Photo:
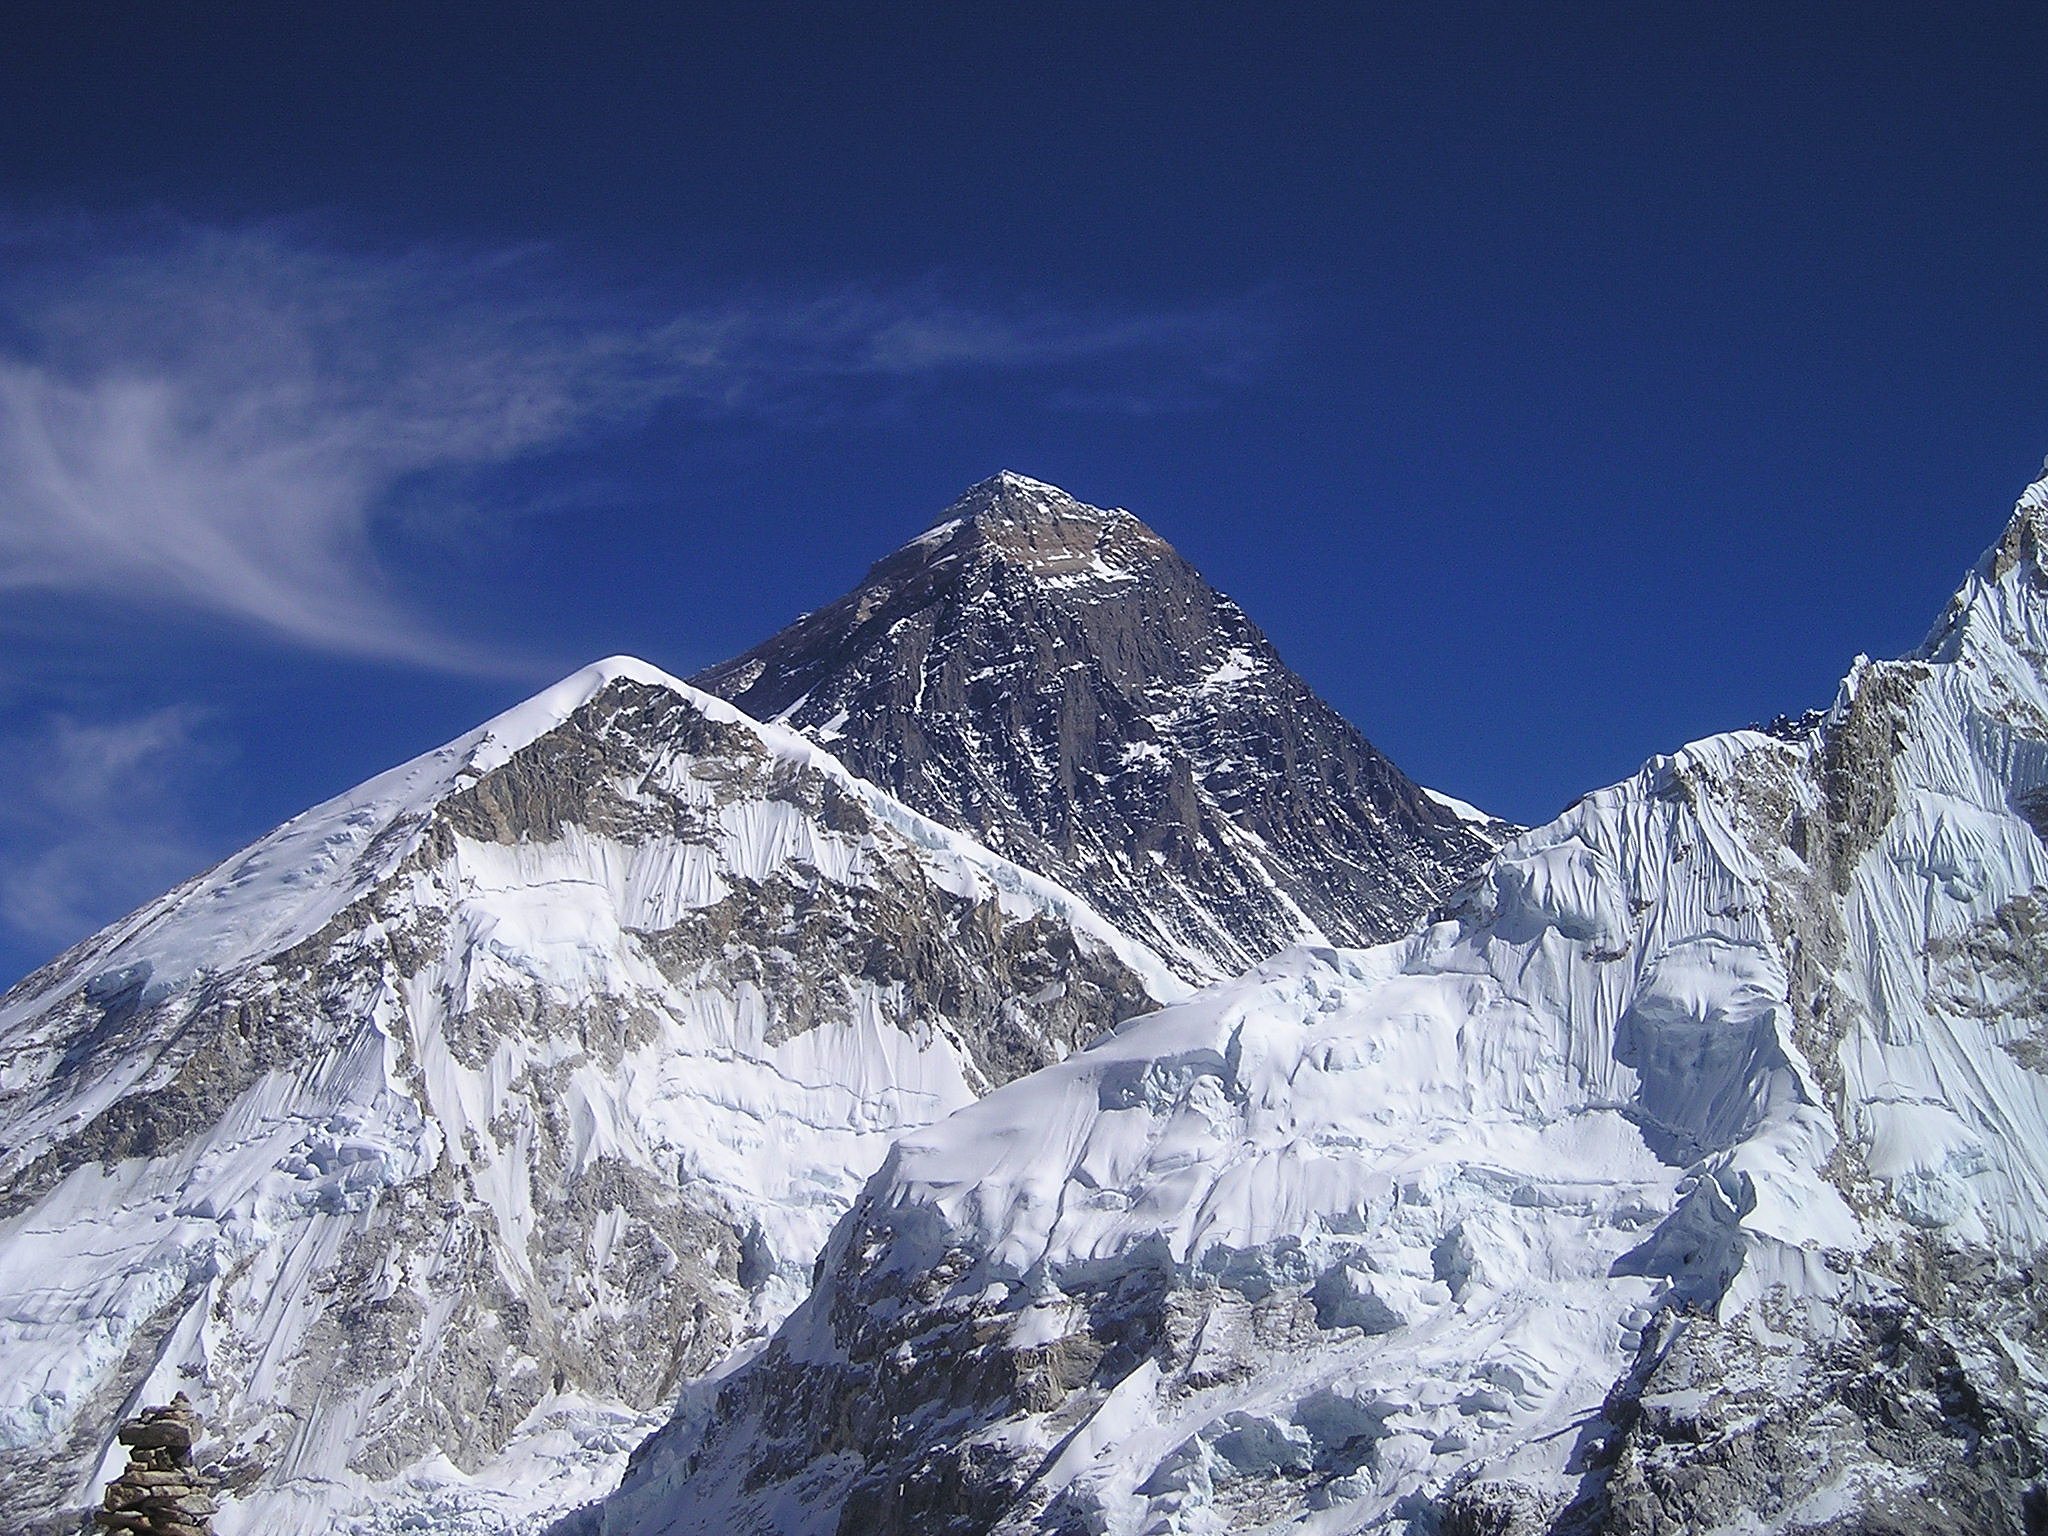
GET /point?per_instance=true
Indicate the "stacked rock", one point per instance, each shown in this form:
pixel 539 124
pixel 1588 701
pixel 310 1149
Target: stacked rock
pixel 161 1493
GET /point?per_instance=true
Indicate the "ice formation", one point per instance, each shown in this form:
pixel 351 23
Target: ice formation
pixel 1689 1172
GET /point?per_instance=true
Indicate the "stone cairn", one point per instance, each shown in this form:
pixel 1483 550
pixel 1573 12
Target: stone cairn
pixel 161 1493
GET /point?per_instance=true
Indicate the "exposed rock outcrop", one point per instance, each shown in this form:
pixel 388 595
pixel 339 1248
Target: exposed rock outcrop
pixel 1056 679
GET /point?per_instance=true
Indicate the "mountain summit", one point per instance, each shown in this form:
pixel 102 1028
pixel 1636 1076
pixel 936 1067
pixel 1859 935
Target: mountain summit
pixel 1690 1174
pixel 1030 524
pixel 435 1141
pixel 1055 678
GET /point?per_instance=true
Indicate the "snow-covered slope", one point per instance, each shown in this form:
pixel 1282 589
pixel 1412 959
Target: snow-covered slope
pixel 1058 681
pixel 1691 1175
pixel 434 1141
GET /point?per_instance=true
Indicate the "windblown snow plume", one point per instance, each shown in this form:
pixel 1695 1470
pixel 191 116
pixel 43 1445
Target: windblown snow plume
pixel 1691 1174
pixel 434 1142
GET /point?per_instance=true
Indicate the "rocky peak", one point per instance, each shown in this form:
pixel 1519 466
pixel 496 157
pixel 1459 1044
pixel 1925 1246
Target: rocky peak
pixel 1999 616
pixel 1058 680
pixel 1009 501
pixel 1026 527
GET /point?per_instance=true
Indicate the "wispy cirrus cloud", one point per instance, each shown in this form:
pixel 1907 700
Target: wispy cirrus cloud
pixel 221 420
pixel 92 817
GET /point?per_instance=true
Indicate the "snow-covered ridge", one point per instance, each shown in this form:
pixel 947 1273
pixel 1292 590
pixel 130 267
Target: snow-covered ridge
pixel 1488 826
pixel 288 884
pixel 1655 1188
pixel 435 1141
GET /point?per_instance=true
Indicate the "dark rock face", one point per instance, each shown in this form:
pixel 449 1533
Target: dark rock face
pixel 1915 1402
pixel 1057 680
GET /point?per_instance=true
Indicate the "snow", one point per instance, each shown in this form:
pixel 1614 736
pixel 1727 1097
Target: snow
pixel 1501 1146
pixel 1237 665
pixel 224 1239
pixel 1464 810
pixel 937 534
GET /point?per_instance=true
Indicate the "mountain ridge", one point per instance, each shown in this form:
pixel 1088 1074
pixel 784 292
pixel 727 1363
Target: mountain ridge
pixel 1056 679
pixel 433 1141
pixel 1691 1172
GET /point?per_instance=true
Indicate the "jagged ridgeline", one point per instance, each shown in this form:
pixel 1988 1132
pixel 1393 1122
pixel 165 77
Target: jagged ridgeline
pixel 1690 1175
pixel 1057 680
pixel 436 1140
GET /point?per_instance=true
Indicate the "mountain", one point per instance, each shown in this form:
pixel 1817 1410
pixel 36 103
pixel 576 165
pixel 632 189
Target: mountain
pixel 433 1142
pixel 1055 679
pixel 1690 1174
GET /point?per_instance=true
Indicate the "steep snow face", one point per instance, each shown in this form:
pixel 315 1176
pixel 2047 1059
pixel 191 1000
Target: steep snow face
pixel 432 1143
pixel 1690 1174
pixel 1056 679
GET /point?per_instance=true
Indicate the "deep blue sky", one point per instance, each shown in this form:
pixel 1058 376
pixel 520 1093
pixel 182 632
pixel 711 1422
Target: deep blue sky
pixel 1552 387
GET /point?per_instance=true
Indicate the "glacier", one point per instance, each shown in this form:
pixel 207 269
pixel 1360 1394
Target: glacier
pixel 1688 1171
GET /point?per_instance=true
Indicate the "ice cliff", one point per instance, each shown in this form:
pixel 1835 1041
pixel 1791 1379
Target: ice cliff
pixel 1689 1172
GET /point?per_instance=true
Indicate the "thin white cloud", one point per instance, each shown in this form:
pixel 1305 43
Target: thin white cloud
pixel 219 420
pixel 92 821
